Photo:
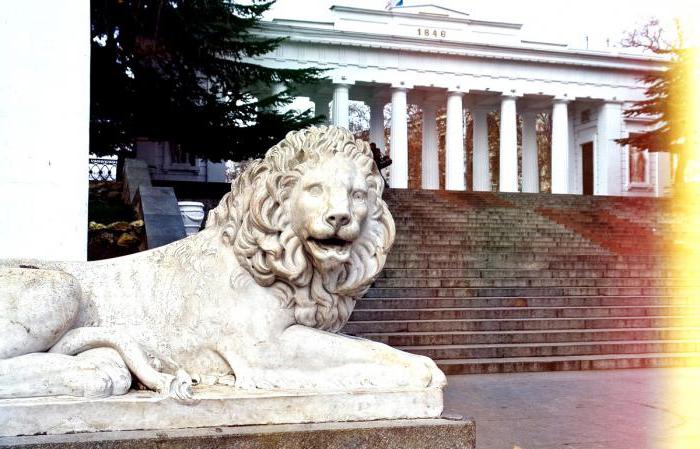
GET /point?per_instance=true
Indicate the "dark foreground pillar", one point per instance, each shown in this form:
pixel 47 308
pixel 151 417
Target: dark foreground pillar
pixel 398 434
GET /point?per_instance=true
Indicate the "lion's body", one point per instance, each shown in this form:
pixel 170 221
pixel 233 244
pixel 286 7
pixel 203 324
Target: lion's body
pixel 249 298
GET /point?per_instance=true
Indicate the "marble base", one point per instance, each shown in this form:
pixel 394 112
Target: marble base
pixel 397 434
pixel 216 406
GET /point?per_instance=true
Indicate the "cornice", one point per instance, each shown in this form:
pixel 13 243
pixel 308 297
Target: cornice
pixel 413 15
pixel 554 56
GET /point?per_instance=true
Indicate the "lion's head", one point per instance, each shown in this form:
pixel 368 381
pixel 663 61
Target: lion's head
pixel 309 220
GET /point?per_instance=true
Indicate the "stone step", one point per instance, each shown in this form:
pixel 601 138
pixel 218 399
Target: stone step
pixel 516 324
pixel 542 301
pixel 524 246
pixel 446 245
pixel 490 282
pixel 530 282
pixel 468 226
pixel 528 256
pixel 426 233
pixel 493 273
pixel 568 363
pixel 535 336
pixel 517 265
pixel 452 244
pixel 451 239
pixel 523 217
pixel 445 292
pixel 447 313
pixel 444 236
pixel 440 352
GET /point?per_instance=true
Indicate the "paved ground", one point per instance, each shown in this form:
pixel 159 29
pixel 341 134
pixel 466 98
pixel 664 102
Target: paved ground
pixel 618 409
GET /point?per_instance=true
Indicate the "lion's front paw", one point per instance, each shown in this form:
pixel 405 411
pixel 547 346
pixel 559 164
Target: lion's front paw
pixel 414 371
pixel 426 372
pixel 178 387
pixel 437 377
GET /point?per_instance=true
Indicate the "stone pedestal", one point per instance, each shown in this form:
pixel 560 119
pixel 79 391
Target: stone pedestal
pixel 396 434
pixel 215 406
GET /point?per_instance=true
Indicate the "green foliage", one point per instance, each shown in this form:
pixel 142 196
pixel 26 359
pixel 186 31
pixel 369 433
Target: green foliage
pixel 666 103
pixel 179 71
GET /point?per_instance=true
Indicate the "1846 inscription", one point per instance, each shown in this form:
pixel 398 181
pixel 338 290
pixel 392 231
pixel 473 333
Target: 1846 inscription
pixel 432 32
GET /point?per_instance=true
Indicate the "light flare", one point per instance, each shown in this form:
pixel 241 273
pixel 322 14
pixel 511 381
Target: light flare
pixel 684 386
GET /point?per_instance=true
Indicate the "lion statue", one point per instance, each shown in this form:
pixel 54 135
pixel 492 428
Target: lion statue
pixel 254 300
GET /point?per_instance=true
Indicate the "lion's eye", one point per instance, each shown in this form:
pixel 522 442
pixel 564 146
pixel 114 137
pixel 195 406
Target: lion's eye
pixel 314 190
pixel 359 195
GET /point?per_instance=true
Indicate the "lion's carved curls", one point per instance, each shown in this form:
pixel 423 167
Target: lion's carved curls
pixel 254 218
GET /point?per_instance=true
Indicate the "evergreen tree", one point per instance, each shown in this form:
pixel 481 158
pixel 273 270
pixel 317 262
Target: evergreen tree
pixel 179 71
pixel 667 101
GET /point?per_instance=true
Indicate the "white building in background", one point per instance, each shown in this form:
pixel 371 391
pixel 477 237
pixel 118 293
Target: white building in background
pixel 437 57
pixel 167 163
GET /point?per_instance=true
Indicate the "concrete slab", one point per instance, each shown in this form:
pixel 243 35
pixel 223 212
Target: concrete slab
pixel 135 174
pixel 616 409
pixel 161 215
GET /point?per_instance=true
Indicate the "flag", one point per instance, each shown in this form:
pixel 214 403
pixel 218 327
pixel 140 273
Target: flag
pixel 393 4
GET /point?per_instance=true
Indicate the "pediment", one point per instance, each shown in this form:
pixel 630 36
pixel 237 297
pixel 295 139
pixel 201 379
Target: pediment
pixel 432 10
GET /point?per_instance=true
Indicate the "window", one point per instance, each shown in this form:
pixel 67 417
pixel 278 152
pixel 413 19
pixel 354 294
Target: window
pixel 638 170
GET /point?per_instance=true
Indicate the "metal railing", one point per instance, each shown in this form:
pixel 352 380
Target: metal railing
pixel 102 170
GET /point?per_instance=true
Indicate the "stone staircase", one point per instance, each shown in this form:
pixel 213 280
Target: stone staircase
pixel 487 283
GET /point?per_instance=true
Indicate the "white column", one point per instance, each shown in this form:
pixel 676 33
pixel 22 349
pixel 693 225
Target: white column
pixel 454 143
pixel 341 104
pixel 531 172
pixel 430 169
pixel 609 169
pixel 322 107
pixel 560 147
pixel 398 170
pixel 376 123
pixel 508 154
pixel 44 128
pixel 277 89
pixel 575 169
pixel 481 172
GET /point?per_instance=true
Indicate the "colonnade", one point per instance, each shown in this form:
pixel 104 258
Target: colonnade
pixel 455 164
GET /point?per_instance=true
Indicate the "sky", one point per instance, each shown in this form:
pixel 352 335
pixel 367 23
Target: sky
pixel 555 20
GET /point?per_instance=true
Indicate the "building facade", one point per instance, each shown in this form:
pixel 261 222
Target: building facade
pixel 436 58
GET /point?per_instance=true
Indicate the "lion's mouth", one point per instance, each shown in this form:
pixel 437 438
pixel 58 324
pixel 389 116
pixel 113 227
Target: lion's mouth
pixel 332 244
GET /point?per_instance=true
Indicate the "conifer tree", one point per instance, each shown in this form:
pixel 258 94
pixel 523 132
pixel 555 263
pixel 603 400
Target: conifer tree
pixel 180 71
pixel 666 102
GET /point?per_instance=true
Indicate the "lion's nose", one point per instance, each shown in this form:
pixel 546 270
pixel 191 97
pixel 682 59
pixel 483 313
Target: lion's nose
pixel 338 219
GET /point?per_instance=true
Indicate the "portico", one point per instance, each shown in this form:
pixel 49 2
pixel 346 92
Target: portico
pixel 444 60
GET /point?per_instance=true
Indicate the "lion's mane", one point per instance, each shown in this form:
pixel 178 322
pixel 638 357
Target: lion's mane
pixel 254 219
